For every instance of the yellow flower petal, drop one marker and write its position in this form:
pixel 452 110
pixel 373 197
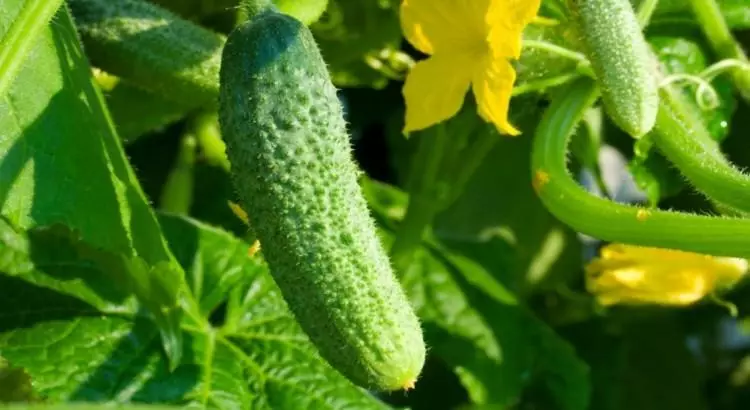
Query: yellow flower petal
pixel 435 89
pixel 492 85
pixel 639 275
pixel 506 20
pixel 442 25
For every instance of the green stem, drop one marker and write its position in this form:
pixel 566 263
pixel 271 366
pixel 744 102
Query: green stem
pixel 681 136
pixel 544 84
pixel 443 166
pixel 645 11
pixel 709 16
pixel 177 195
pixel 419 215
pixel 205 126
pixel 424 197
pixel 606 220
pixel 584 65
pixel 471 159
pixel 20 37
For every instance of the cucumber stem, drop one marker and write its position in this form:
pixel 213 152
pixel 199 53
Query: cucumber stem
pixel 645 11
pixel 722 41
pixel 682 137
pixel 609 221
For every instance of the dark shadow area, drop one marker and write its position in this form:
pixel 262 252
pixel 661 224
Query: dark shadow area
pixel 57 253
pixel 128 359
pixel 365 110
pixel 24 305
pixel 152 157
pixel 136 354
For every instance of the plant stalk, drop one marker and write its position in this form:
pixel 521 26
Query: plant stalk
pixel 682 137
pixel 609 221
pixel 714 26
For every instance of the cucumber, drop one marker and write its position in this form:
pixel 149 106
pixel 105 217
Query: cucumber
pixel 293 169
pixel 151 48
pixel 622 61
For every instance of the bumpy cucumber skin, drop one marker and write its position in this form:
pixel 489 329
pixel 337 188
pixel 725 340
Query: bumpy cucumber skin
pixel 292 165
pixel 622 60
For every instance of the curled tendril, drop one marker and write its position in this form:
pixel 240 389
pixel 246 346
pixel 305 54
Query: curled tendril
pixel 705 94
pixel 722 67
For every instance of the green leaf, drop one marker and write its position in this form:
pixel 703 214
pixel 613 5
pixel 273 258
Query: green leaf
pixel 72 267
pixel 360 41
pixel 19 32
pixel 497 347
pixel 203 252
pixel 254 357
pixel 61 164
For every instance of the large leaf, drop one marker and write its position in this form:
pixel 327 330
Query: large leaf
pixel 62 165
pixel 497 347
pixel 254 357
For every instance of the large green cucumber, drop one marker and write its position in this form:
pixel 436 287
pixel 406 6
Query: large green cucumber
pixel 292 165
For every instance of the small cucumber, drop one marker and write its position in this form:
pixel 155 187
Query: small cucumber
pixel 292 166
pixel 622 61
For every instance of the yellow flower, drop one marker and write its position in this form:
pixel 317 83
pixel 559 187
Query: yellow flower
pixel 470 43
pixel 626 274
